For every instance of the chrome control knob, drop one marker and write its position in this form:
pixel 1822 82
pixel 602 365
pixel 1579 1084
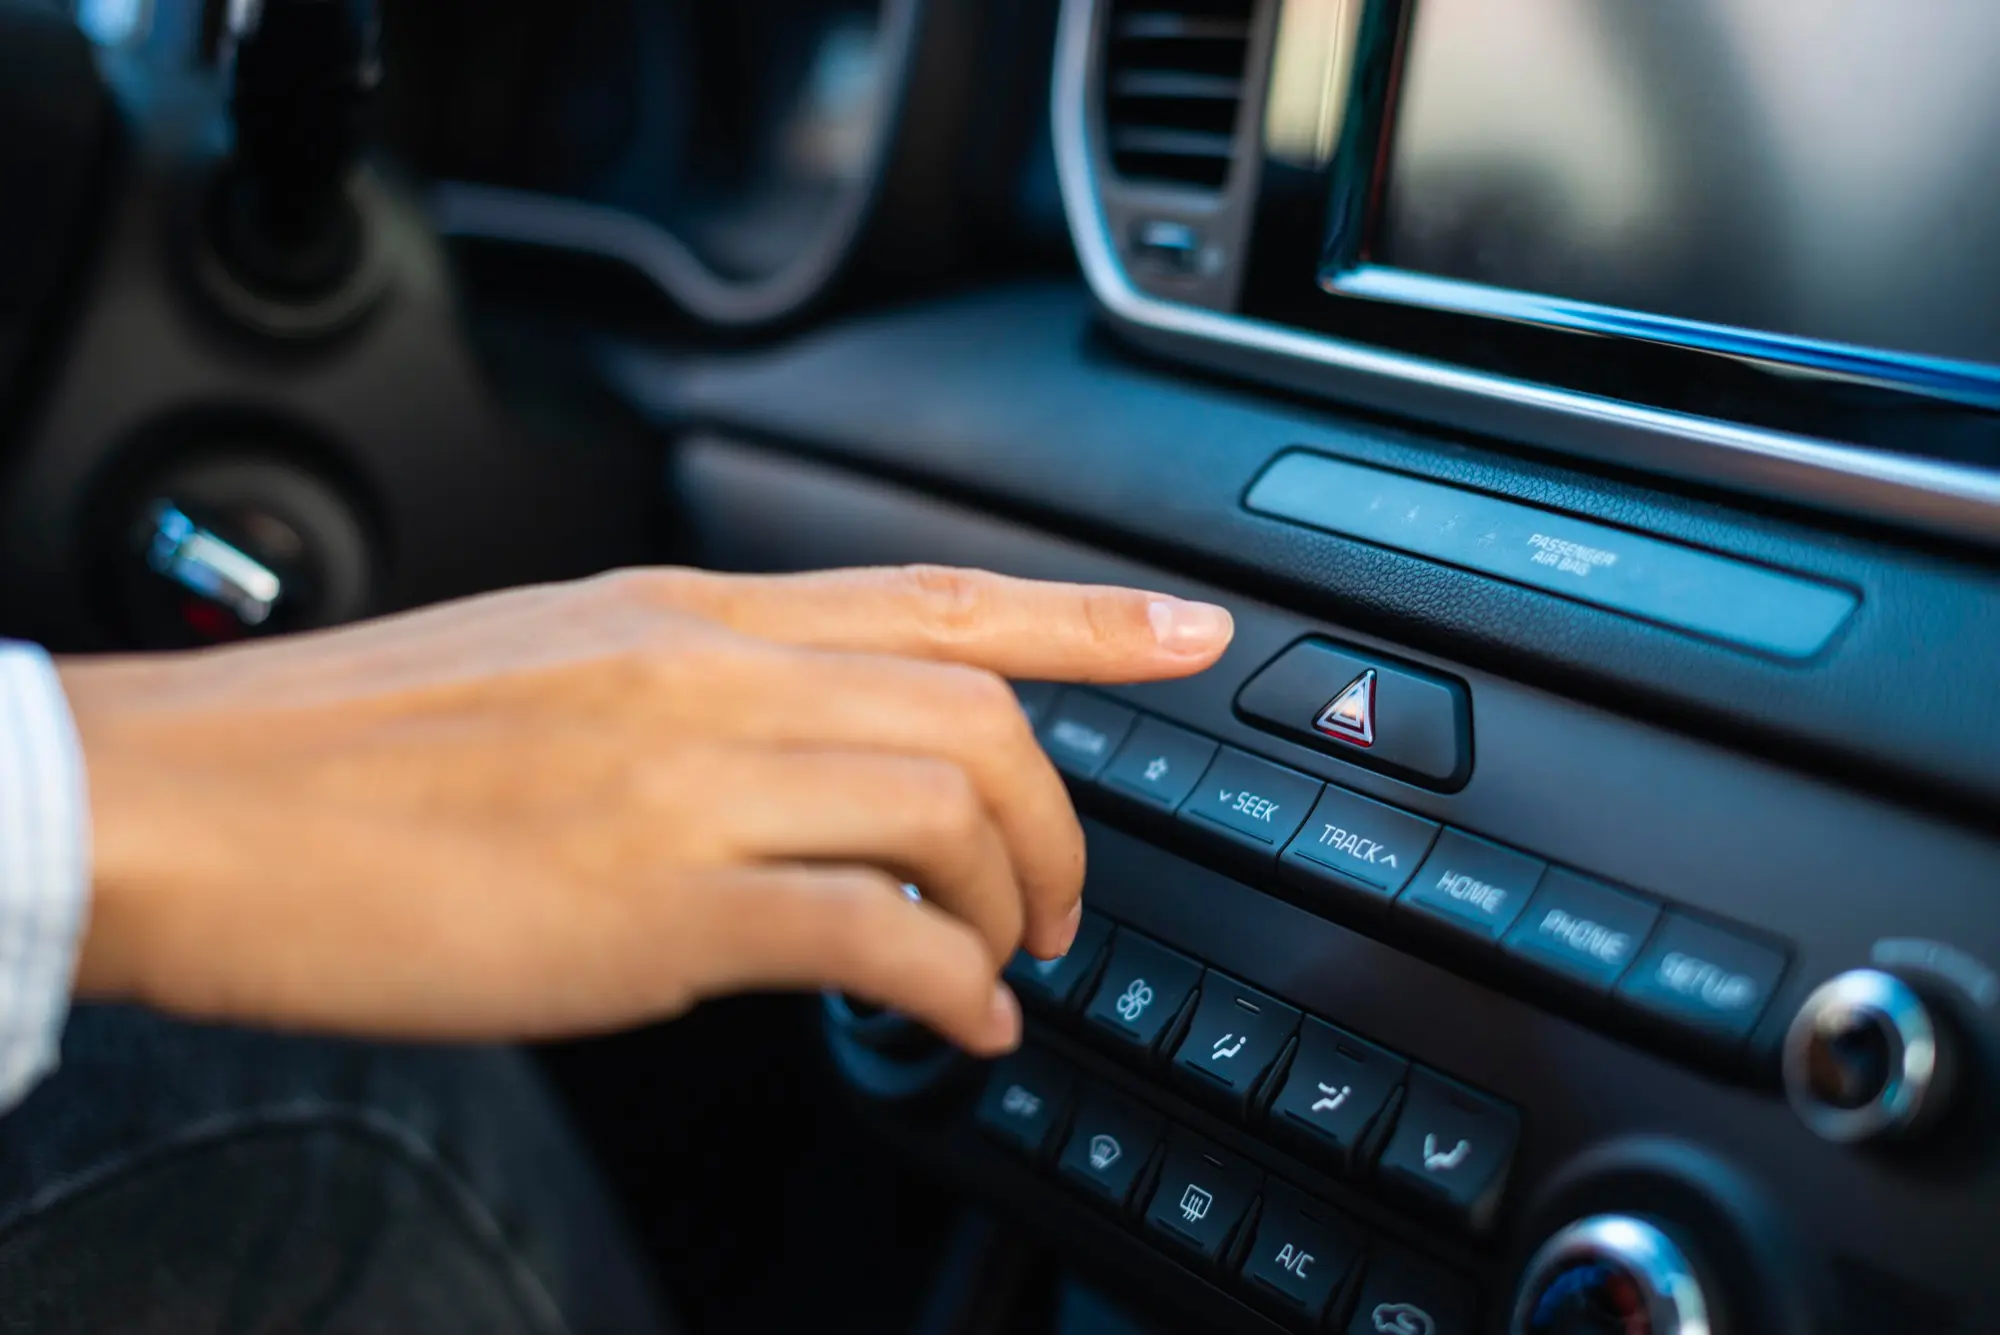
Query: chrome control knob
pixel 1610 1275
pixel 1865 1059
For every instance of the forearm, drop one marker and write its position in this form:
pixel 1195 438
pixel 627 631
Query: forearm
pixel 584 806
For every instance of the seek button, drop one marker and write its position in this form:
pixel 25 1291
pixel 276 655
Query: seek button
pixel 1250 802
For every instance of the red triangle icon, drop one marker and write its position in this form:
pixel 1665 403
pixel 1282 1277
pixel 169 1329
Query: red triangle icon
pixel 1350 716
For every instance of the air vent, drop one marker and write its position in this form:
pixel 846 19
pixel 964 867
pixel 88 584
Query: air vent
pixel 1173 83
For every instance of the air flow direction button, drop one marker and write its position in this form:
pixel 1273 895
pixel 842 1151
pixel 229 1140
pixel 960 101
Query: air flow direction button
pixel 1335 1094
pixel 1235 1035
pixel 1451 1150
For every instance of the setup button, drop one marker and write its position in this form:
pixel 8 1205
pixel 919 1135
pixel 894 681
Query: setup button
pixel 1707 979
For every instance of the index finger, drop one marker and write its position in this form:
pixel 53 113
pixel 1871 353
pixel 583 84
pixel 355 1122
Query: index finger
pixel 1019 628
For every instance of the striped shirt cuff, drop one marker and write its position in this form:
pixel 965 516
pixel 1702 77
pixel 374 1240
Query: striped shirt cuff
pixel 44 866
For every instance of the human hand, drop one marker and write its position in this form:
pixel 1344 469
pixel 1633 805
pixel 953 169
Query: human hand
pixel 581 806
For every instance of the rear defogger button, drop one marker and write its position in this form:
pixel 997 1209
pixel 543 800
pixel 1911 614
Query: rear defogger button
pixel 1354 850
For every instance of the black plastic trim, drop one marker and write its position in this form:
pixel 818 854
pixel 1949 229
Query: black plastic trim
pixel 1005 399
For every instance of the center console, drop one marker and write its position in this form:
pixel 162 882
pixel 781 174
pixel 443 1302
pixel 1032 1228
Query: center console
pixel 1414 999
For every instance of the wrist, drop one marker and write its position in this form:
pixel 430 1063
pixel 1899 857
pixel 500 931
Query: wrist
pixel 131 781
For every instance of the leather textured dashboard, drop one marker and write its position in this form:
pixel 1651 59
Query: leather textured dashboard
pixel 1014 400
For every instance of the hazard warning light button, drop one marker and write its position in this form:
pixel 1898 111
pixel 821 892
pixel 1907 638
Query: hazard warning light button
pixel 1366 708
pixel 1350 716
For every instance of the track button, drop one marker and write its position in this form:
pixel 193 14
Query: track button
pixel 1354 849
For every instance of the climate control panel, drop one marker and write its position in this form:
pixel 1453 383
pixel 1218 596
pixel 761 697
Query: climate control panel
pixel 1297 1082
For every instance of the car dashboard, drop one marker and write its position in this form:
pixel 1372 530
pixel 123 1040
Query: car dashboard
pixel 1562 907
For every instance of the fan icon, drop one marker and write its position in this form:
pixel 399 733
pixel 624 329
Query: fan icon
pixel 1136 998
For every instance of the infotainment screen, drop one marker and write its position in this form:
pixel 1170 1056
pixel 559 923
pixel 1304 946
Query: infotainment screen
pixel 1807 182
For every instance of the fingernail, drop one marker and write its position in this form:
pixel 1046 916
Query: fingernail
pixel 1070 924
pixel 1189 628
pixel 1004 1024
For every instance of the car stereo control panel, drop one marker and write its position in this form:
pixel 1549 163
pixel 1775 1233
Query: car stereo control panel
pixel 1697 982
pixel 1717 1035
